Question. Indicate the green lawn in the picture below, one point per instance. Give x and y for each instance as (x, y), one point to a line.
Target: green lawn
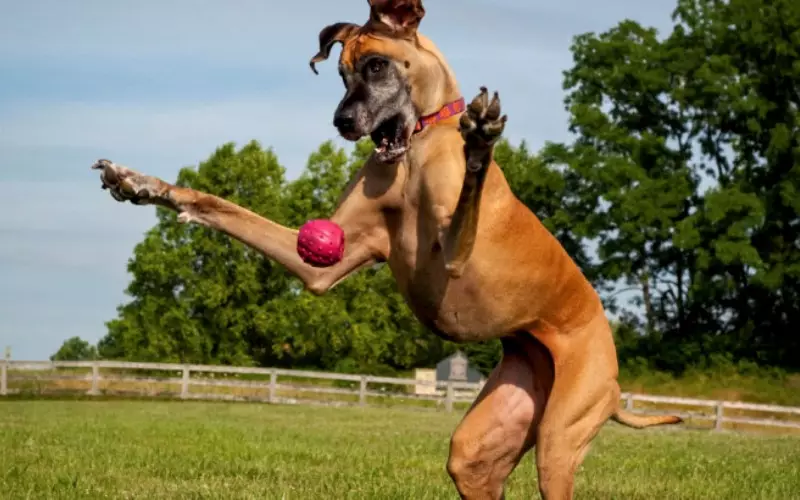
(154, 450)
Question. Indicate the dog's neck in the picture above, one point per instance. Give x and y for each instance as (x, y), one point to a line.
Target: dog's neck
(440, 84)
(451, 109)
(446, 120)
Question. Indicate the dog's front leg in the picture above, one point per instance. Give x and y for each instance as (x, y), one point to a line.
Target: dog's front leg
(481, 126)
(359, 217)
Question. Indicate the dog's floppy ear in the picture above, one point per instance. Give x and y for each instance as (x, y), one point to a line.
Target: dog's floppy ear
(329, 35)
(400, 16)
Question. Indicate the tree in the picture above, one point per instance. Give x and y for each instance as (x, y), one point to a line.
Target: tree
(689, 145)
(197, 295)
(75, 349)
(746, 97)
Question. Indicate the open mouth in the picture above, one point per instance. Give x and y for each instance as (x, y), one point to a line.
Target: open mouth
(391, 139)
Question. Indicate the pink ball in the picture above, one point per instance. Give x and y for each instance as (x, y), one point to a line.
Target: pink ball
(320, 243)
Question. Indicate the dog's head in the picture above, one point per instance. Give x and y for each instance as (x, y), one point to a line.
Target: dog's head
(391, 73)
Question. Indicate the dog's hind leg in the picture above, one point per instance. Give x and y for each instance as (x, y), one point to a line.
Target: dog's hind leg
(585, 393)
(500, 427)
(359, 216)
(481, 127)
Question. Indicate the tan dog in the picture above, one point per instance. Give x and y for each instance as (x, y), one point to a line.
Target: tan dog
(471, 260)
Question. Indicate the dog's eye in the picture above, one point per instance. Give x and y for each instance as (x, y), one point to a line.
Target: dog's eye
(376, 66)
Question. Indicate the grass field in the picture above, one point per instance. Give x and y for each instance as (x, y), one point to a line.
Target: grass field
(155, 450)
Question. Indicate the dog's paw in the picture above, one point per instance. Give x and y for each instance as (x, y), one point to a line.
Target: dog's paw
(125, 184)
(481, 125)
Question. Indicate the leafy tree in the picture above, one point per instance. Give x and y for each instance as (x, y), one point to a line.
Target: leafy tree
(197, 295)
(75, 349)
(689, 145)
(746, 98)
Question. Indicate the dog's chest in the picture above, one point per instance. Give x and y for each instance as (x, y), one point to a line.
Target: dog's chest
(452, 309)
(415, 240)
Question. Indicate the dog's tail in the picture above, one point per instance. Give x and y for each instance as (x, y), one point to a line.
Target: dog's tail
(625, 417)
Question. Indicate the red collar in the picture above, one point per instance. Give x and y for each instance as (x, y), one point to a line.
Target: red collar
(449, 109)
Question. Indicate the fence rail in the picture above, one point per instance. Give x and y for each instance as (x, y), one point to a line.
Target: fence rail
(112, 377)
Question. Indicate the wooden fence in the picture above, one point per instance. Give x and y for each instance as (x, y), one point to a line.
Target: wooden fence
(201, 382)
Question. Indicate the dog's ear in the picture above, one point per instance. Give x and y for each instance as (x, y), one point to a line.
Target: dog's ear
(329, 35)
(401, 16)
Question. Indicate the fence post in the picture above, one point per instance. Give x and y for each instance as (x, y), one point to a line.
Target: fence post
(629, 402)
(720, 416)
(449, 396)
(95, 389)
(273, 383)
(4, 377)
(362, 391)
(185, 383)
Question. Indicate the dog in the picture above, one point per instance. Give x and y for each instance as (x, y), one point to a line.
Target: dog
(471, 260)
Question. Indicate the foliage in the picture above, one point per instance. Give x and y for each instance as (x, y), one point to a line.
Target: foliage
(75, 349)
(689, 147)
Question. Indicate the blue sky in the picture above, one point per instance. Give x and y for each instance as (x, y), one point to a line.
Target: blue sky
(157, 85)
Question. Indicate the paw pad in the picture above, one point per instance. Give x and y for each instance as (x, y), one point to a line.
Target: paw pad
(482, 123)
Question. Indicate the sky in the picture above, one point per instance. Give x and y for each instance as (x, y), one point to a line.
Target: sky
(157, 85)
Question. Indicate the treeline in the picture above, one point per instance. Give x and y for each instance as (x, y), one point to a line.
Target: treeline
(681, 191)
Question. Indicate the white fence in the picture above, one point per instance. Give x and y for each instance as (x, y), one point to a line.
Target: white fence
(294, 386)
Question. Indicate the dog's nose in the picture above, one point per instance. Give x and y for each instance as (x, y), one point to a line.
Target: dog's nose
(344, 122)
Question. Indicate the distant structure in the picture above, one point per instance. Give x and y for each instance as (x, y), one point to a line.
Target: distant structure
(454, 367)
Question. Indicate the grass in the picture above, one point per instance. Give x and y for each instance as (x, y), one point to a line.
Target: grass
(157, 450)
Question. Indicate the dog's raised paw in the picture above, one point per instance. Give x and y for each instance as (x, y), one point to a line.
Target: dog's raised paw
(482, 122)
(481, 126)
(125, 184)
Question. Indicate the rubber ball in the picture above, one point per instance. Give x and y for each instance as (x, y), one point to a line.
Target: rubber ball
(320, 243)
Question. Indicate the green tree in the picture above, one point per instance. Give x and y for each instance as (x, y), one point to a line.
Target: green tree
(631, 157)
(197, 295)
(688, 145)
(75, 349)
(746, 100)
